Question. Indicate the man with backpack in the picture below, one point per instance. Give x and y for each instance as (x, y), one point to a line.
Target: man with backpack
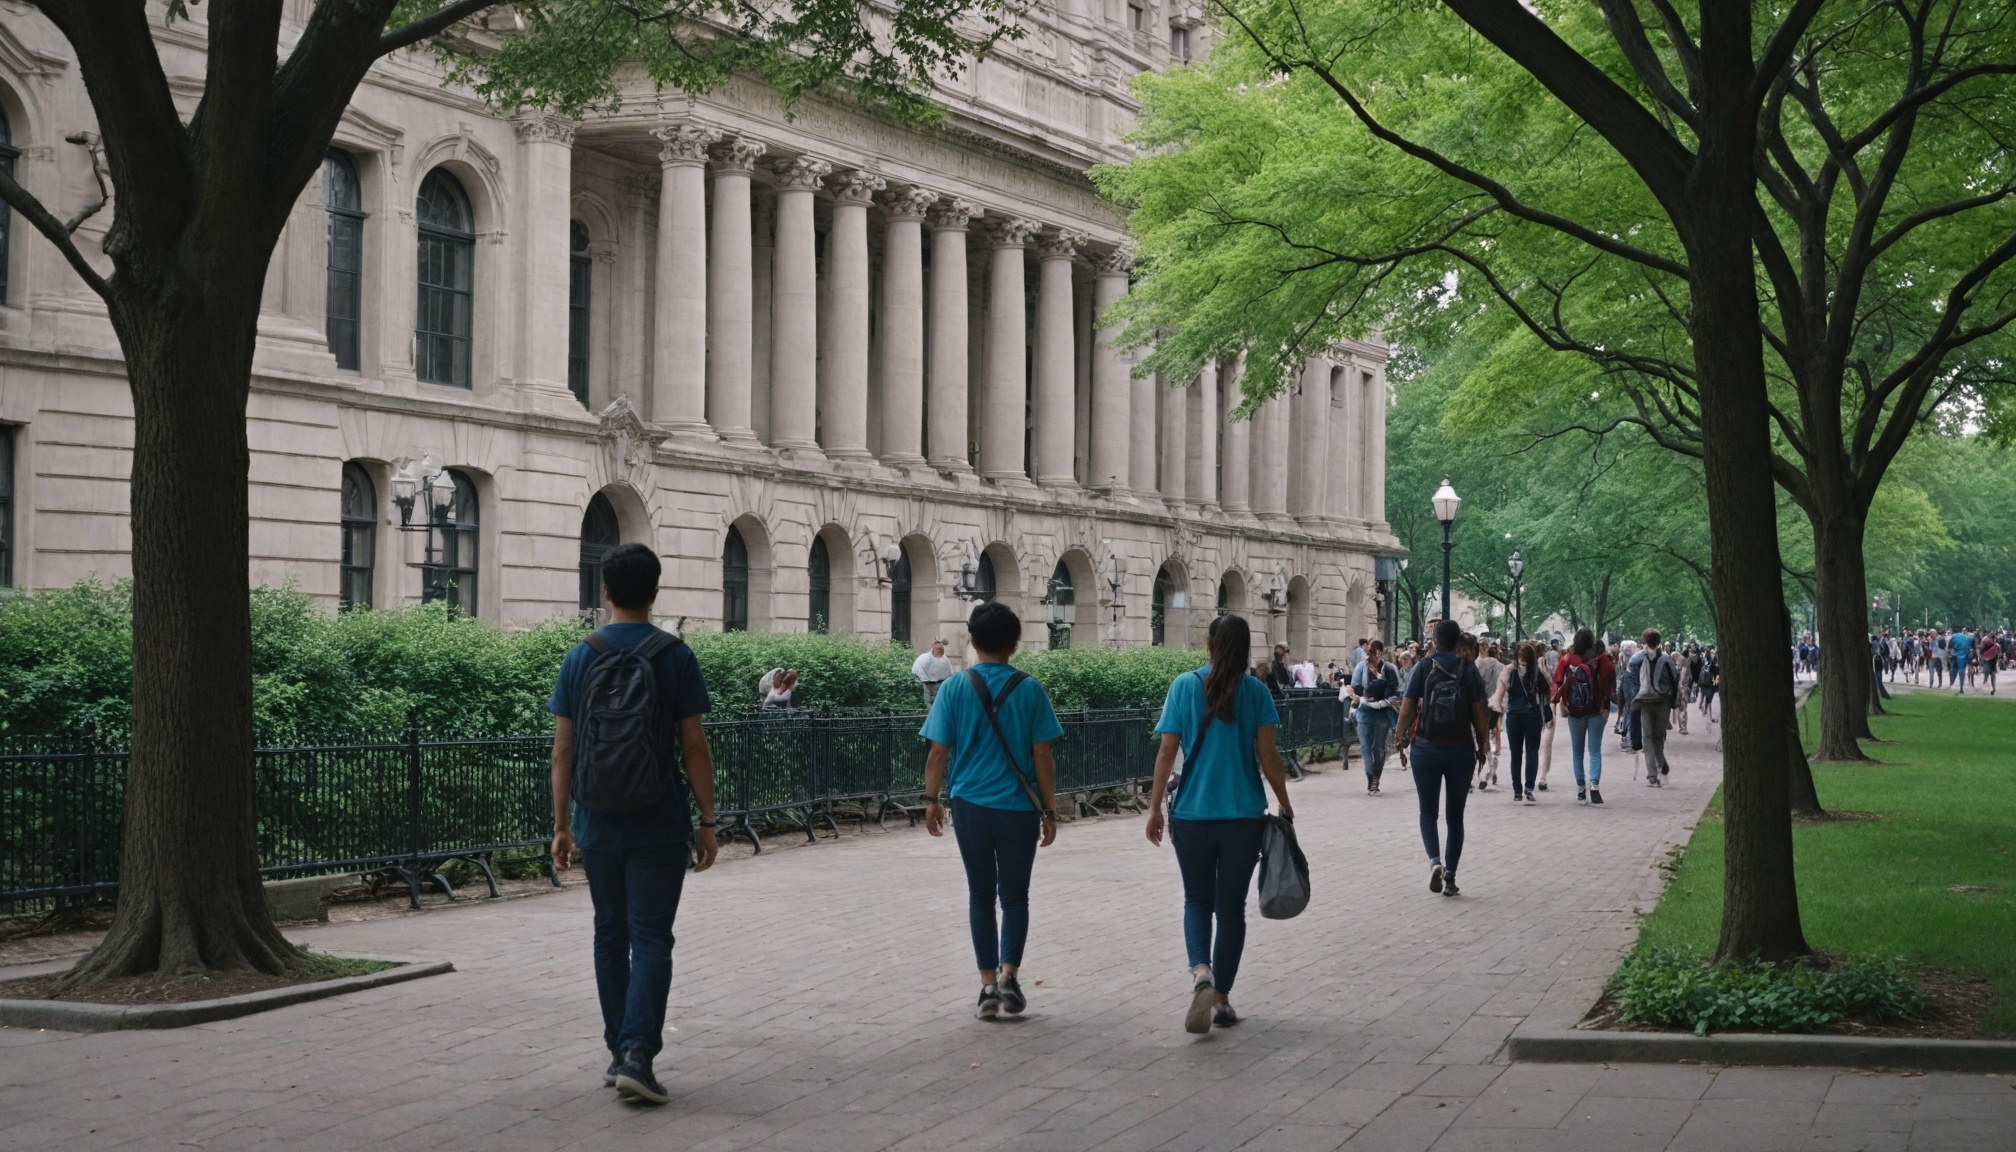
(992, 728)
(1658, 694)
(1442, 719)
(628, 703)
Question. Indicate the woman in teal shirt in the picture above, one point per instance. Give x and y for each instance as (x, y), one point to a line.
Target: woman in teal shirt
(1222, 721)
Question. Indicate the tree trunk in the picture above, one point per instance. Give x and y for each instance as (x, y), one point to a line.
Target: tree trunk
(1805, 796)
(189, 891)
(1840, 598)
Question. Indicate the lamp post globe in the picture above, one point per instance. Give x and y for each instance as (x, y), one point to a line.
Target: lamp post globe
(1446, 503)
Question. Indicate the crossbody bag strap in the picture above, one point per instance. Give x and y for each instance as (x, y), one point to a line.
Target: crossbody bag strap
(991, 706)
(1196, 748)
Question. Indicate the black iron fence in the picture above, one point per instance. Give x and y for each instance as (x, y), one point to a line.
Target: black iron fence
(404, 807)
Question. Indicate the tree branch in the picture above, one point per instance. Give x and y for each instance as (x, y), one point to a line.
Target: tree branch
(31, 209)
(432, 24)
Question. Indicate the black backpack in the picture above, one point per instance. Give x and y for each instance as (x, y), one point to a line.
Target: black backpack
(1442, 712)
(1579, 689)
(623, 746)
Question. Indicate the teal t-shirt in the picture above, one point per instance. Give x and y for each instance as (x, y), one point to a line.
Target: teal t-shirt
(1224, 781)
(979, 774)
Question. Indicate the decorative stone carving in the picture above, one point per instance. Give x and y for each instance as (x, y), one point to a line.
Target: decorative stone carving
(1118, 262)
(1013, 232)
(685, 143)
(545, 128)
(632, 441)
(639, 189)
(857, 187)
(1061, 244)
(738, 154)
(802, 172)
(909, 204)
(952, 213)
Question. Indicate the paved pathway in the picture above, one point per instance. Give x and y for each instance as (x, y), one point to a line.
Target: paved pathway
(822, 1002)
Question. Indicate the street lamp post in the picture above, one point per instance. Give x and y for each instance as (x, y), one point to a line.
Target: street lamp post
(1446, 502)
(1518, 566)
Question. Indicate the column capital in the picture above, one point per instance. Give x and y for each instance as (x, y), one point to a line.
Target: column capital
(684, 144)
(953, 214)
(1013, 231)
(545, 128)
(738, 154)
(909, 204)
(1061, 244)
(1118, 262)
(801, 172)
(857, 187)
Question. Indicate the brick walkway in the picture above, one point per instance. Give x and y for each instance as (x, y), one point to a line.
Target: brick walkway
(823, 996)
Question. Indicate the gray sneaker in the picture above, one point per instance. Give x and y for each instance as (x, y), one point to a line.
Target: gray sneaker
(634, 1080)
(1203, 998)
(990, 1004)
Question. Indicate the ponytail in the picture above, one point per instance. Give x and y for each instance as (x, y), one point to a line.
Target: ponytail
(1231, 644)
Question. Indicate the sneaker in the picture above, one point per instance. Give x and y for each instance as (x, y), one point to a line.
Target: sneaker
(635, 1081)
(615, 1066)
(1203, 998)
(1581, 796)
(1529, 797)
(1012, 1000)
(1665, 770)
(1517, 796)
(990, 1004)
(1435, 878)
(1595, 795)
(1449, 884)
(1542, 785)
(1223, 1016)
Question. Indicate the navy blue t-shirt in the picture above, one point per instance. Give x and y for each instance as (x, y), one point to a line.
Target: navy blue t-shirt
(1469, 689)
(684, 692)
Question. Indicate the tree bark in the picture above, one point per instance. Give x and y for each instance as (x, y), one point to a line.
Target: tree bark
(1840, 599)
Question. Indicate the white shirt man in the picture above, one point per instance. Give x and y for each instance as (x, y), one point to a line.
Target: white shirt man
(1305, 674)
(932, 668)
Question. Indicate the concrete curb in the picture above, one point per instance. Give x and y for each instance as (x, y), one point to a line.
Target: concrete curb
(64, 1016)
(1589, 1047)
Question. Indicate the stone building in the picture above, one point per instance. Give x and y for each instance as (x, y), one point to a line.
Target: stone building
(841, 373)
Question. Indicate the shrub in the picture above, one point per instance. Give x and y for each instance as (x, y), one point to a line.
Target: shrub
(1109, 678)
(833, 671)
(66, 659)
(1676, 988)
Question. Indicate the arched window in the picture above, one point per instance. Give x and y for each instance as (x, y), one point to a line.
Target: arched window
(360, 537)
(819, 617)
(986, 579)
(734, 583)
(578, 271)
(599, 534)
(899, 600)
(1158, 609)
(1063, 603)
(7, 154)
(450, 570)
(343, 202)
(447, 258)
(1224, 597)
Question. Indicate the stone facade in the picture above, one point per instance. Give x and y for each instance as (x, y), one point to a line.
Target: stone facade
(719, 317)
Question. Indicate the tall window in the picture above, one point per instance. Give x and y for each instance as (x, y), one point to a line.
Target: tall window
(820, 616)
(360, 537)
(343, 200)
(1158, 609)
(599, 534)
(447, 258)
(450, 573)
(734, 583)
(1224, 597)
(7, 154)
(579, 268)
(899, 600)
(1179, 42)
(6, 506)
(1137, 15)
(1063, 603)
(986, 579)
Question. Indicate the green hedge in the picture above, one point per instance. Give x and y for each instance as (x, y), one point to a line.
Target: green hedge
(66, 662)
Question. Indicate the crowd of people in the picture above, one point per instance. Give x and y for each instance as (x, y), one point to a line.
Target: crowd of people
(1957, 658)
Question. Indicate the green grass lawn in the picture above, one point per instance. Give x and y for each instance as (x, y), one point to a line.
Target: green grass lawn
(1947, 792)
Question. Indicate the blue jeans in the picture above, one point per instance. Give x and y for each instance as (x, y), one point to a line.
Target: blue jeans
(1217, 858)
(1960, 675)
(998, 846)
(1522, 739)
(636, 895)
(1587, 732)
(1375, 732)
(1435, 768)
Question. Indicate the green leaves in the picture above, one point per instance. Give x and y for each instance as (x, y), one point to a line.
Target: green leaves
(1676, 989)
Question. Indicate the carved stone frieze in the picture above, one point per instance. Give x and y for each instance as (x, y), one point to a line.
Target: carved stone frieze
(685, 143)
(1013, 231)
(1061, 244)
(909, 203)
(953, 214)
(857, 187)
(739, 154)
(802, 172)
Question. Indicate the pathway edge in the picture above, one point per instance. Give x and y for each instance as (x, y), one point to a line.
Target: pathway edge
(64, 1016)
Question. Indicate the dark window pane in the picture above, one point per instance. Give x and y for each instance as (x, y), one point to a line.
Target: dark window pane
(7, 434)
(447, 257)
(450, 573)
(899, 601)
(734, 584)
(345, 262)
(7, 155)
(820, 618)
(579, 270)
(599, 533)
(360, 530)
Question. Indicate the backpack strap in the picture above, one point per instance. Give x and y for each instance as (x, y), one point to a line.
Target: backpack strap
(1196, 748)
(992, 708)
(596, 642)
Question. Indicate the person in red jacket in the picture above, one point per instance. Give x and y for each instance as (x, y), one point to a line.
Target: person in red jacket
(1584, 681)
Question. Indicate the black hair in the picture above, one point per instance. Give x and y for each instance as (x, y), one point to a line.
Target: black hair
(994, 627)
(1448, 634)
(1584, 641)
(1231, 647)
(630, 575)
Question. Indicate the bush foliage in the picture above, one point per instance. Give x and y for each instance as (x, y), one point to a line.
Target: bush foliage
(66, 665)
(1676, 988)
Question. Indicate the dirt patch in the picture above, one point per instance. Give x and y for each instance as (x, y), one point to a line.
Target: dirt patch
(1955, 1005)
(1836, 816)
(154, 989)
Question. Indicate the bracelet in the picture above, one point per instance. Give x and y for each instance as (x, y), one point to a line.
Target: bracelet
(1049, 813)
(931, 799)
(710, 823)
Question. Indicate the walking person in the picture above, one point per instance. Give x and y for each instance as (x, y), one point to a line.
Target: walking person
(624, 699)
(1376, 686)
(932, 669)
(1523, 700)
(1658, 694)
(1582, 686)
(1279, 672)
(1685, 667)
(990, 730)
(1221, 721)
(1626, 667)
(1442, 719)
(1991, 658)
(1549, 661)
(1489, 667)
(1960, 652)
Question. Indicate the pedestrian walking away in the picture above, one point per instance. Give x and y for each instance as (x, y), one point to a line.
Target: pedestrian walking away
(1524, 699)
(1376, 686)
(1991, 658)
(1582, 686)
(1960, 651)
(1489, 666)
(990, 732)
(1221, 722)
(626, 698)
(1443, 721)
(1658, 694)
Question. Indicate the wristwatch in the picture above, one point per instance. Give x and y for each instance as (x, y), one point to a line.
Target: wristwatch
(1049, 813)
(710, 823)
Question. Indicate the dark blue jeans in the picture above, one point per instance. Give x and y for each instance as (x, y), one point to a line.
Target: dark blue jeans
(1217, 858)
(636, 895)
(1435, 769)
(1522, 738)
(998, 846)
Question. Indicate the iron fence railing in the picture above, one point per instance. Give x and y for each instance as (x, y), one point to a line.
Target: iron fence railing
(404, 807)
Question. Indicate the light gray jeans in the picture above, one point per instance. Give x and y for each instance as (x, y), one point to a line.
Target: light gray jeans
(1652, 725)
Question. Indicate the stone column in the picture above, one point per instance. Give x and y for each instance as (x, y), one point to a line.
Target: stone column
(948, 373)
(794, 321)
(1056, 363)
(1269, 483)
(546, 153)
(679, 323)
(1311, 470)
(1349, 490)
(1236, 499)
(1004, 413)
(1374, 421)
(902, 384)
(1200, 484)
(1175, 442)
(730, 336)
(1141, 449)
(844, 406)
(762, 293)
(1112, 391)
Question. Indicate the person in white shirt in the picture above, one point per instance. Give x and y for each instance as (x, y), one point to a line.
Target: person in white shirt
(1305, 674)
(768, 683)
(932, 669)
